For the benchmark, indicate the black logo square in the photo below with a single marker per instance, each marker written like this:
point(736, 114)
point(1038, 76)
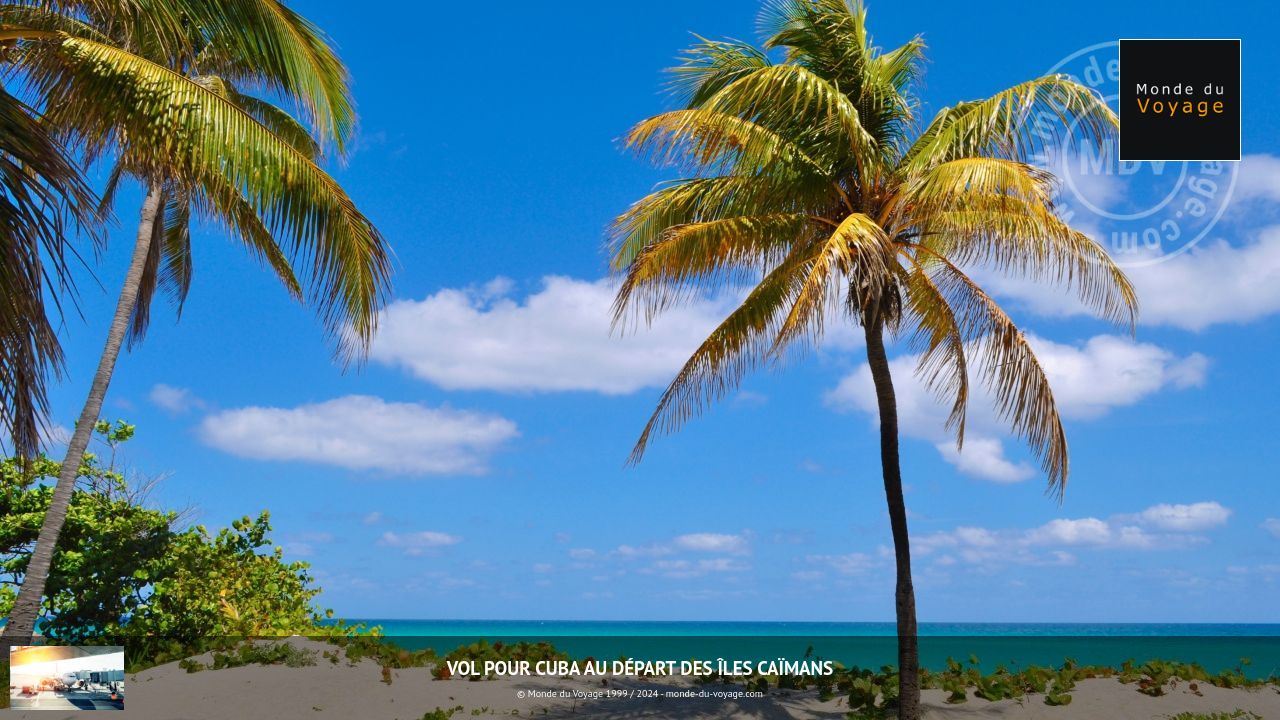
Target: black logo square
point(1179, 99)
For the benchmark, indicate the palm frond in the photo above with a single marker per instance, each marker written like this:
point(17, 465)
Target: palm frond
point(1027, 240)
point(1000, 214)
point(965, 182)
point(708, 257)
point(263, 43)
point(699, 200)
point(701, 140)
point(1020, 123)
point(171, 126)
point(41, 16)
point(1009, 369)
point(224, 204)
point(711, 65)
point(43, 201)
point(857, 252)
point(943, 366)
point(806, 108)
point(830, 38)
point(284, 125)
point(733, 349)
point(169, 265)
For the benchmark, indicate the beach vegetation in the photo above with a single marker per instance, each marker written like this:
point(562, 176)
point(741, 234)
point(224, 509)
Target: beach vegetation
point(254, 653)
point(871, 694)
point(441, 713)
point(810, 186)
point(1234, 715)
point(130, 573)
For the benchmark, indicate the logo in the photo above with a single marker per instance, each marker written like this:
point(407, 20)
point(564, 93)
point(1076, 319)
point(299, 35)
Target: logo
point(1180, 99)
point(1142, 212)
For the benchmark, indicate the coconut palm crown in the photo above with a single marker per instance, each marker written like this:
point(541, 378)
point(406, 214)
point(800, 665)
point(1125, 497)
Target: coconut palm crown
point(810, 179)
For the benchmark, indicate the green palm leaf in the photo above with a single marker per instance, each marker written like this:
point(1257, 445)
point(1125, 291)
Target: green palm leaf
point(172, 126)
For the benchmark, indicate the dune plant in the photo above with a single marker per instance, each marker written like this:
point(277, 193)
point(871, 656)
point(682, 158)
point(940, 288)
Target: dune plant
point(811, 181)
point(156, 88)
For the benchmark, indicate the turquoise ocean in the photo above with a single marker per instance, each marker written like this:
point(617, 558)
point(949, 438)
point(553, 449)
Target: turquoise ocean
point(1253, 648)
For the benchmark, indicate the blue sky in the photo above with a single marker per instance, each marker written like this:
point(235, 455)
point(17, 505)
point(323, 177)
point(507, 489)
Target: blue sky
point(475, 467)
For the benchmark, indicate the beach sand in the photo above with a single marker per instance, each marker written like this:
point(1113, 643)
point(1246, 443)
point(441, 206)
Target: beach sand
point(328, 691)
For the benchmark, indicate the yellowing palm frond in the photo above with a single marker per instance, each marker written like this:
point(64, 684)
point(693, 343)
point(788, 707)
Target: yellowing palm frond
point(1028, 240)
point(965, 182)
point(1000, 213)
point(699, 200)
point(804, 107)
point(700, 140)
point(943, 366)
point(1018, 123)
point(733, 349)
point(1009, 369)
point(857, 252)
point(708, 256)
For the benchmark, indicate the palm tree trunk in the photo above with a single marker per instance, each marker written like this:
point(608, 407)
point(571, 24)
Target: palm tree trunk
point(904, 596)
point(26, 608)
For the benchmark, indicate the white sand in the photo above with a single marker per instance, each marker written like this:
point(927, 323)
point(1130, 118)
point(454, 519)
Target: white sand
point(327, 691)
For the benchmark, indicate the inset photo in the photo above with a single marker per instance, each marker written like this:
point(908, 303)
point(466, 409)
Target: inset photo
point(67, 678)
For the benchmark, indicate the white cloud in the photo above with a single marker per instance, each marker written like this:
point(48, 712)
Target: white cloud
point(1197, 516)
point(1085, 531)
point(1272, 525)
point(1088, 380)
point(363, 433)
point(849, 564)
point(1159, 527)
point(372, 518)
point(174, 400)
point(557, 339)
point(1258, 179)
point(984, 457)
point(631, 551)
point(712, 542)
point(691, 542)
point(416, 543)
point(695, 568)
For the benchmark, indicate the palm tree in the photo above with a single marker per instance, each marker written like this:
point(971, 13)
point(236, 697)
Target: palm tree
point(41, 189)
point(155, 87)
point(810, 181)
